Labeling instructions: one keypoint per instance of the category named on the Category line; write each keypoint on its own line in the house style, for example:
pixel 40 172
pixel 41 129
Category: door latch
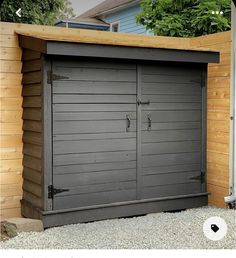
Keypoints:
pixel 139 102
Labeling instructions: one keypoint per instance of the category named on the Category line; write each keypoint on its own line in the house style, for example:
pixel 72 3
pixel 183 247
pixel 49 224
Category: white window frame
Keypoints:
pixel 115 23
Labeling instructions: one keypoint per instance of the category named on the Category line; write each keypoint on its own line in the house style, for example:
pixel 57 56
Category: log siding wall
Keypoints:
pixel 11 124
pixel 11 110
pixel 32 126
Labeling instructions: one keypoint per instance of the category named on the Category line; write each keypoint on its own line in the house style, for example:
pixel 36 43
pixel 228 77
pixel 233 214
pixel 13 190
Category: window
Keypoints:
pixel 115 27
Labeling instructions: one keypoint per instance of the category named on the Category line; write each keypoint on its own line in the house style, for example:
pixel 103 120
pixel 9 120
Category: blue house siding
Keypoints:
pixel 126 18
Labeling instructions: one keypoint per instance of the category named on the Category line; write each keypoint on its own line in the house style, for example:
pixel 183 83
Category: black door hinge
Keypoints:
pixel 54 77
pixel 200 178
pixel 53 191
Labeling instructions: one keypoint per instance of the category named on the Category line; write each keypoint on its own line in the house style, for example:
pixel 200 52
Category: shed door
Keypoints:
pixel 94 133
pixel 170 137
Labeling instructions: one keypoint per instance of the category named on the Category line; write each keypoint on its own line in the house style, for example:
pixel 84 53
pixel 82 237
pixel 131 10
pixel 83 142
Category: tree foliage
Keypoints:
pixel 36 11
pixel 185 18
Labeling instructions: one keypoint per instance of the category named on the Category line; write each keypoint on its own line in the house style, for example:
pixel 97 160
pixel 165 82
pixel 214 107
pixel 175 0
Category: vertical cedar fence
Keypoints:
pixel 218 113
pixel 11 111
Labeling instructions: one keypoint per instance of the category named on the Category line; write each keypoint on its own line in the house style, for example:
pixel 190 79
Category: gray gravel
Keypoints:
pixel 159 230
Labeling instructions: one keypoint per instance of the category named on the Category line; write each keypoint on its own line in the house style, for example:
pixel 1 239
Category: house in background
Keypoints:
pixel 84 23
pixel 110 15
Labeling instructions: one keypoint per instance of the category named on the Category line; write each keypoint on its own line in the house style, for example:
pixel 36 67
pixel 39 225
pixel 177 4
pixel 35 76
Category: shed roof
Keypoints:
pixel 111 45
pixel 110 38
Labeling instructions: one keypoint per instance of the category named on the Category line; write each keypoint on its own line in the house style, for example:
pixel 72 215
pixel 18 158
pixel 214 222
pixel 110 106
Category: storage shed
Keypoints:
pixel 112 130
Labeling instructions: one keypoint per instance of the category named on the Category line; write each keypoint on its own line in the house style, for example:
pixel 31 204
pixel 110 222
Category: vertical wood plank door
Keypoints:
pixel 171 133
pixel 94 132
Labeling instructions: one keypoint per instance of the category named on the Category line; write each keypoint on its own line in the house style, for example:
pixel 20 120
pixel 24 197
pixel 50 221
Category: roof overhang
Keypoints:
pixel 62 48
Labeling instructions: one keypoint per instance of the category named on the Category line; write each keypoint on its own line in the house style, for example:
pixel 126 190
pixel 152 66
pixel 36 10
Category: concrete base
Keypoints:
pixel 26 225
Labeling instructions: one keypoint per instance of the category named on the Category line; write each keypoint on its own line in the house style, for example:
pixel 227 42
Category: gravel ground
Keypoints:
pixel 153 231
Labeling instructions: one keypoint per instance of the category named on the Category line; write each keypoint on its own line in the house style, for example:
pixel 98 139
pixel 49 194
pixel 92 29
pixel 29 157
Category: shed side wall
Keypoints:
pixel 32 127
pixel 218 114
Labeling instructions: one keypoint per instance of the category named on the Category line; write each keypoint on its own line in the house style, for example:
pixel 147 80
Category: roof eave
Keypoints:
pixel 83 23
pixel 115 9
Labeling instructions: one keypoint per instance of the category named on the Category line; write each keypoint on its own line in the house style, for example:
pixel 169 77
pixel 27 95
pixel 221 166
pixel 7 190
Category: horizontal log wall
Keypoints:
pixel 218 116
pixel 11 104
pixel 32 126
pixel 11 124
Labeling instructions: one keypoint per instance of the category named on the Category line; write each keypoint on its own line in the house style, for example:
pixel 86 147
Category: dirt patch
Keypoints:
pixel 8 230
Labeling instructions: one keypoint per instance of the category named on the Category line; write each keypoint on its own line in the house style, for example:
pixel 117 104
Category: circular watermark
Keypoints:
pixel 215 228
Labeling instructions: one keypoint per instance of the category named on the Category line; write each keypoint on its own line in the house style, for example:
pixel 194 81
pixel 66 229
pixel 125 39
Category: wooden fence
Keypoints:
pixel 218 116
pixel 11 101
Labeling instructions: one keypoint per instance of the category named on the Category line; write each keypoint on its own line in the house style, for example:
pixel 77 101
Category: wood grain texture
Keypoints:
pixel 216 197
pixel 10 166
pixel 11 153
pixel 10 116
pixel 11 212
pixel 9 202
pixel 9 40
pixel 11 141
pixel 32 127
pixel 88 36
pixel 11 178
pixel 11 101
pixel 11 66
pixel 7 53
pixel 9 190
pixel 218 116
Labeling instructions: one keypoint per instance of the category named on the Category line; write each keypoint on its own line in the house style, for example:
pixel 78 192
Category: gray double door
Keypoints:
pixel 125 131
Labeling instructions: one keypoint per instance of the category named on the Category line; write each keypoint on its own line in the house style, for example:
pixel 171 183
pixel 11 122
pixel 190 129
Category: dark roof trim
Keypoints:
pixel 63 48
pixel 234 1
pixel 83 25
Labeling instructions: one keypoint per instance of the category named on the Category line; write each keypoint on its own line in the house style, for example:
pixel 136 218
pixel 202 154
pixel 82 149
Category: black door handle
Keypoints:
pixel 149 122
pixel 128 123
